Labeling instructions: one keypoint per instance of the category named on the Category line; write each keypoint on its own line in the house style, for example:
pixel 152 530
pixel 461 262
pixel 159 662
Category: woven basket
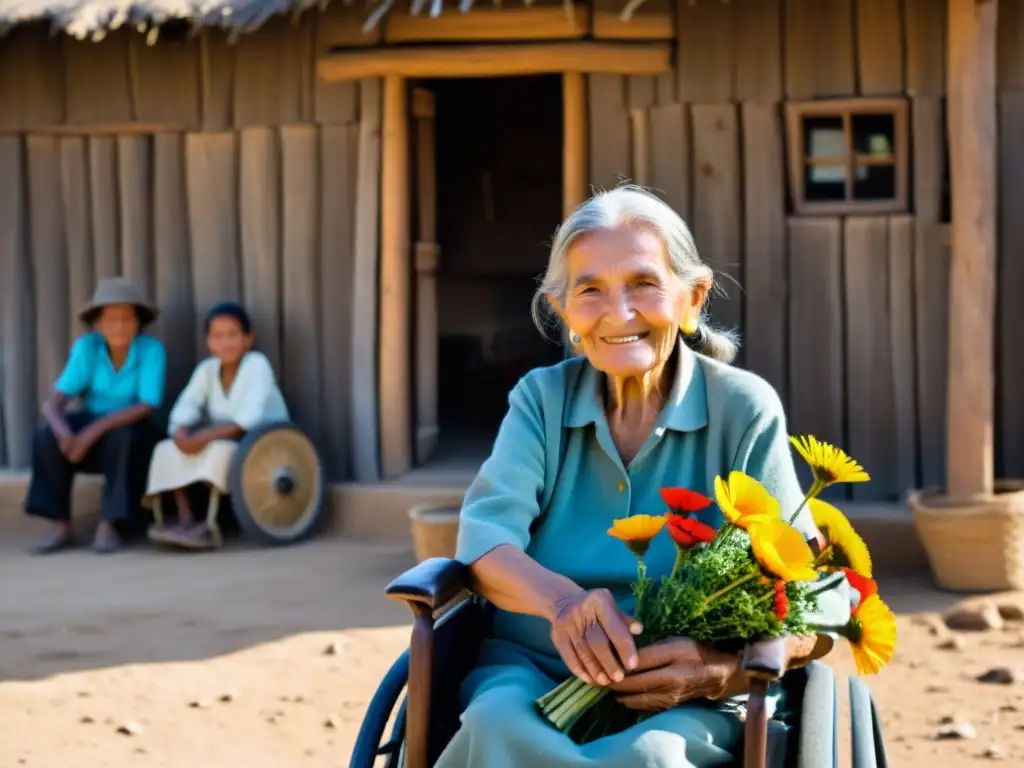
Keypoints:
pixel 973 546
pixel 435 528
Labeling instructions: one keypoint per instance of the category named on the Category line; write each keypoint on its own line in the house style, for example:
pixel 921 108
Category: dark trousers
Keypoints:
pixel 121 456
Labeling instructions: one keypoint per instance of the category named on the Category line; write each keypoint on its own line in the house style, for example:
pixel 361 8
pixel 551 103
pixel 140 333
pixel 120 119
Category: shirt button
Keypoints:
pixel 622 486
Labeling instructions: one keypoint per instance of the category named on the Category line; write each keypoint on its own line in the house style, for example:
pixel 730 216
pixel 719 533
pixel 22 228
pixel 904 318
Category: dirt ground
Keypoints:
pixel 124 661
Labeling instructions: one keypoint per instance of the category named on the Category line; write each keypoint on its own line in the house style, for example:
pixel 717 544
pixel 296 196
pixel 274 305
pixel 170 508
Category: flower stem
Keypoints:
pixel 587 699
pixel 730 587
pixel 816 487
pixel 681 557
pixel 557 694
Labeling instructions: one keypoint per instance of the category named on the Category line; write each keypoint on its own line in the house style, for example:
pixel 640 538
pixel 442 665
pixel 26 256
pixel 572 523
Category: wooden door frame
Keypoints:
pixel 396 387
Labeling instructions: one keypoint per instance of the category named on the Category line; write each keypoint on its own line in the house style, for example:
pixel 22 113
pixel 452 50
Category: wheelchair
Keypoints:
pixel 276 483
pixel 448 626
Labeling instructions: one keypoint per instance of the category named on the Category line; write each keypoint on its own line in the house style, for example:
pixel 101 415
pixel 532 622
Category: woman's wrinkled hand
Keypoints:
pixel 675 671
pixel 186 442
pixel 594 637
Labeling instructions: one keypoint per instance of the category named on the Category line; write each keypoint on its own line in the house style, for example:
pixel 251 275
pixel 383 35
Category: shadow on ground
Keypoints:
pixel 79 611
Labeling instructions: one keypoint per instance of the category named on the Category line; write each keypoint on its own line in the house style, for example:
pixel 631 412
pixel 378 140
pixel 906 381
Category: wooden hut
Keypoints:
pixel 378 183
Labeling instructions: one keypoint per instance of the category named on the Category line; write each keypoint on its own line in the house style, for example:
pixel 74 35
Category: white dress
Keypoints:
pixel 254 399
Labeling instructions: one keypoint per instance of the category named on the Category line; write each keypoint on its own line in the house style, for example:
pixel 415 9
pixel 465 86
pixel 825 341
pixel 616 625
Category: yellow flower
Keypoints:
pixel 780 549
pixel 829 464
pixel 637 531
pixel 848 549
pixel 744 501
pixel 872 635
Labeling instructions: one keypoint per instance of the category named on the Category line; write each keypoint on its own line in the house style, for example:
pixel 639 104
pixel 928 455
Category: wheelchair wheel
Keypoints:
pixel 277 484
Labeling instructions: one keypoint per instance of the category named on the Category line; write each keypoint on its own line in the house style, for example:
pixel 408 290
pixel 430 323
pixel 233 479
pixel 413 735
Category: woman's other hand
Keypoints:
pixel 675 671
pixel 186 442
pixel 594 637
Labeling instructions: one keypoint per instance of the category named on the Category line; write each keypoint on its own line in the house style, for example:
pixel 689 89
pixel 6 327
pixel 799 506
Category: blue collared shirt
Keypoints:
pixel 90 374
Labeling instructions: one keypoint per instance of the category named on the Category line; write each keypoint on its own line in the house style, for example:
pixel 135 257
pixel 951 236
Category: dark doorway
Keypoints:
pixel 499 200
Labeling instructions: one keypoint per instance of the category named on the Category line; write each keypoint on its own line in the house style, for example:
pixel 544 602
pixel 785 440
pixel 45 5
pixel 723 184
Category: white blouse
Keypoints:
pixel 254 397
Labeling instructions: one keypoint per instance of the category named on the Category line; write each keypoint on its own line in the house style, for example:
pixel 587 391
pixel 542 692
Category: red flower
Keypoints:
pixel 781 602
pixel 865 586
pixel 687 531
pixel 684 500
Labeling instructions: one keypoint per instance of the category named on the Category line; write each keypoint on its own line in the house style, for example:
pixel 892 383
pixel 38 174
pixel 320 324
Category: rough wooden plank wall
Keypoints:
pixel 339 25
pixel 339 164
pixel 74 169
pixel 758 32
pixel 670 153
pixel 819 48
pixel 363 370
pixel 640 91
pixel 880 47
pixel 610 147
pixel 31 80
pixel 717 206
pixel 49 262
pixel 704 52
pixel 931 290
pixel 17 313
pixel 172 263
pixel 901 342
pixel 1010 279
pixel 260 212
pixel 272 82
pixel 1010 47
pixel 98 82
pixel 816 371
pixel 135 187
pixel 211 177
pixel 166 82
pixel 103 196
pixel 300 290
pixel 869 376
pixel 764 253
pixel 925 25
pixel 216 76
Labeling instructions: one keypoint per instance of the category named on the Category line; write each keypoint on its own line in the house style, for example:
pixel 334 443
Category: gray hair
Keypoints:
pixel 629 204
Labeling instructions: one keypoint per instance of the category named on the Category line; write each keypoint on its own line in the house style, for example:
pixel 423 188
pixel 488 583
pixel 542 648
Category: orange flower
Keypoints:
pixel 866 587
pixel 744 501
pixel 687 532
pixel 872 635
pixel 684 500
pixel 780 549
pixel 637 531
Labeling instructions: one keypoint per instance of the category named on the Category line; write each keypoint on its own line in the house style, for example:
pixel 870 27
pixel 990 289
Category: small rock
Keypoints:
pixel 999 676
pixel 83 694
pixel 960 730
pixel 1011 612
pixel 980 618
pixel 227 697
pixel 1009 707
pixel 953 643
pixel 86 719
pixel 141 751
pixel 200 704
pixel 933 624
pixel 332 722
pixel 993 752
pixel 937 689
pixel 334 649
pixel 273 719
pixel 130 728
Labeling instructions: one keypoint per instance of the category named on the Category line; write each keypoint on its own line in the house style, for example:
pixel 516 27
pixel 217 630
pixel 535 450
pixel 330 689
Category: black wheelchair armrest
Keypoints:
pixel 431 584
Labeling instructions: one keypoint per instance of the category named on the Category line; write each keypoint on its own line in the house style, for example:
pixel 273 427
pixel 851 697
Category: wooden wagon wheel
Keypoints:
pixel 277 484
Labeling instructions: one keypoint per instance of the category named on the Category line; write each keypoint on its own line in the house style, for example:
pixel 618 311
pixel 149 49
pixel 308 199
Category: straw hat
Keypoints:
pixel 114 291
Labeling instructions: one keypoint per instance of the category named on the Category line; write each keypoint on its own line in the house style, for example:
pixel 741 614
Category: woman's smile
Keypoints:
pixel 630 339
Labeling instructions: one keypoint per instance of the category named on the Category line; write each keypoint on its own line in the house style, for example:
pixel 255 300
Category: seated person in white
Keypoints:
pixel 229 394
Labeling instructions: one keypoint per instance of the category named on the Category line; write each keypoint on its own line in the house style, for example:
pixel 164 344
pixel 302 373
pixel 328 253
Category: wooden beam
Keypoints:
pixel 643 26
pixel 574 141
pixel 394 380
pixel 536 23
pixel 498 60
pixel 971 115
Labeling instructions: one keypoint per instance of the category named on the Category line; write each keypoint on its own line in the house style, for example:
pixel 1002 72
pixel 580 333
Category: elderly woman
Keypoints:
pixel 231 392
pixel 650 401
pixel 118 373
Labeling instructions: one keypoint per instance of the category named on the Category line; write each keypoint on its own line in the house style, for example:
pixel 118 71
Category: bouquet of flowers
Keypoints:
pixel 754 577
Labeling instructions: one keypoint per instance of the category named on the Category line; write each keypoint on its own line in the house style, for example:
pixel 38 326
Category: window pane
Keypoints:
pixel 874 182
pixel 825 182
pixel 823 136
pixel 874 134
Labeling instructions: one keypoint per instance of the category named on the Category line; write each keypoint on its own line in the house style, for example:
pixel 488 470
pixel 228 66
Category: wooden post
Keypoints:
pixel 574 141
pixel 394 380
pixel 427 262
pixel 972 155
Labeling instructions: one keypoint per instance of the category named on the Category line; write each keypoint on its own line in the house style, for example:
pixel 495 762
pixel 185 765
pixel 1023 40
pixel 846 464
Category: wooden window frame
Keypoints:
pixel 846 109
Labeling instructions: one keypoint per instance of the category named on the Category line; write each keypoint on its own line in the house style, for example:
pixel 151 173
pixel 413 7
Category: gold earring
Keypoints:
pixel 689 326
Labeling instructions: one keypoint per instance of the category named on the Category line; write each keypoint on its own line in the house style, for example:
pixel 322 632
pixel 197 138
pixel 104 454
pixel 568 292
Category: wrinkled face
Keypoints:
pixel 227 341
pixel 119 325
pixel 624 301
